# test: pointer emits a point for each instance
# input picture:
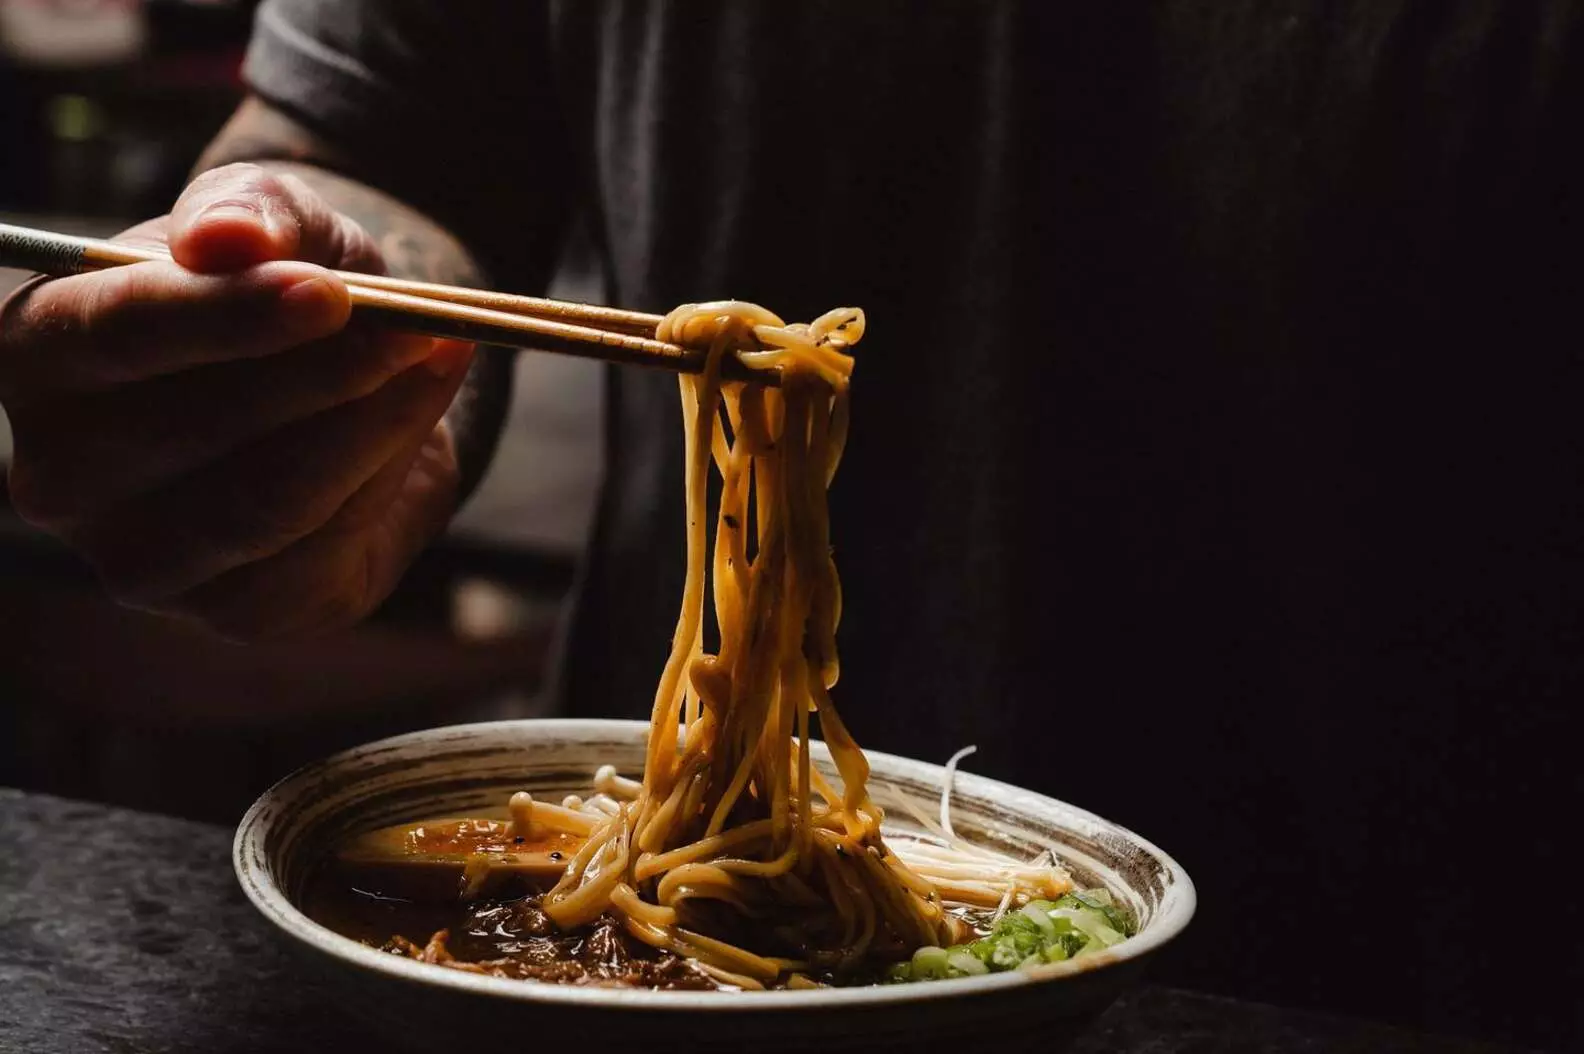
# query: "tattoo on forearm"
(412, 245)
(416, 247)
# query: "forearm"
(412, 245)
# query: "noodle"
(726, 807)
(734, 851)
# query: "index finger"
(96, 331)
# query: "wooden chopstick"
(593, 316)
(533, 323)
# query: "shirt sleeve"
(451, 107)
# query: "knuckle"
(293, 186)
(341, 611)
(350, 602)
(147, 551)
(123, 304)
(273, 517)
(130, 574)
(14, 320)
(361, 514)
(353, 366)
(101, 306)
(295, 195)
(99, 317)
(336, 371)
(278, 524)
(337, 238)
(164, 546)
(128, 582)
(127, 590)
(249, 607)
(217, 607)
(17, 334)
(54, 481)
(37, 315)
(34, 498)
(147, 578)
(357, 248)
(270, 185)
(237, 623)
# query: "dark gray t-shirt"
(1216, 459)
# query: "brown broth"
(401, 888)
(507, 937)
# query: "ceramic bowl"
(454, 770)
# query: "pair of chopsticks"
(560, 326)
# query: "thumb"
(238, 216)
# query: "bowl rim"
(267, 897)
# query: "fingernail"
(314, 306)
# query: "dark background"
(103, 110)
(104, 704)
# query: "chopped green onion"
(1041, 919)
(1092, 924)
(965, 963)
(1056, 952)
(1098, 900)
(930, 961)
(1083, 922)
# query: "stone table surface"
(123, 932)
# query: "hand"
(211, 433)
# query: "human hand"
(212, 435)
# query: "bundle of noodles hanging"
(735, 851)
(734, 856)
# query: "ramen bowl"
(451, 771)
